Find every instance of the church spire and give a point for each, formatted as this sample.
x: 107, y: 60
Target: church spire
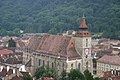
x: 83, y: 23
x: 83, y: 15
x: 83, y: 32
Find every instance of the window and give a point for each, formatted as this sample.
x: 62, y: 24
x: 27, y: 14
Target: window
x: 48, y: 64
x: 43, y: 63
x: 72, y: 65
x: 52, y: 65
x: 39, y: 62
x: 86, y: 42
x: 63, y: 65
x: 86, y: 65
x: 79, y: 66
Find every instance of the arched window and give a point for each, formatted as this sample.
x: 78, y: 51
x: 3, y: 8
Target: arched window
x: 48, y: 64
x: 79, y: 66
x: 86, y: 65
x: 43, y: 63
x: 86, y: 42
x: 72, y: 65
x: 63, y: 66
x: 52, y: 65
x: 39, y: 62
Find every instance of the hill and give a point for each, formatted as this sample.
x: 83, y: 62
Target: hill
x: 59, y: 15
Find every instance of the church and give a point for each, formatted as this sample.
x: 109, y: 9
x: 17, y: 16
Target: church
x: 60, y: 52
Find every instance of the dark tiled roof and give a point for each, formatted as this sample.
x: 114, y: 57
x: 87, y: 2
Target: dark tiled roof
x: 13, y: 61
x: 3, y: 73
x: 17, y: 78
x: 115, y: 60
x: 20, y: 44
x: 10, y: 72
x: 55, y: 44
x: 28, y: 64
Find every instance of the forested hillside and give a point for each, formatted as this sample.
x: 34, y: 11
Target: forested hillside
x: 56, y: 16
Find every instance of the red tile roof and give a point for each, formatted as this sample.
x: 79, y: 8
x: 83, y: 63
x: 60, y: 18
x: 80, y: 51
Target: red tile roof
x: 83, y: 23
x: 115, y: 60
x: 114, y: 75
x: 55, y: 44
x: 6, y: 51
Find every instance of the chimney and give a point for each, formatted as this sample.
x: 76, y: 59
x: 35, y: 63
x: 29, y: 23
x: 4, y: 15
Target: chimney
x: 14, y: 71
x: 112, y: 72
x: 8, y: 67
x: 115, y: 72
x: 118, y: 73
x: 1, y: 68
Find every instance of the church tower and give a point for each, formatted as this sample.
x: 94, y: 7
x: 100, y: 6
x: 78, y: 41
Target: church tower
x: 83, y: 45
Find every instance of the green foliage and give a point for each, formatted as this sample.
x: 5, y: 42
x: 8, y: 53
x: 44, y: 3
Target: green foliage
x: 11, y: 43
x: 97, y: 78
x: 56, y: 16
x: 75, y: 75
x: 27, y: 77
x: 88, y: 75
x: 45, y: 72
x: 63, y: 75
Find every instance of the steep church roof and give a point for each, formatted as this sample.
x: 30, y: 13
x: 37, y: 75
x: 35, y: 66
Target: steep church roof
x: 55, y: 44
x: 83, y: 31
x: 83, y: 23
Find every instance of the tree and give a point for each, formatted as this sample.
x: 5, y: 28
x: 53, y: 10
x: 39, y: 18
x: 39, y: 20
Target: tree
x: 75, y: 74
x: 45, y: 72
x: 27, y: 77
x: 16, y: 31
x: 52, y: 31
x: 88, y: 75
x: 97, y: 78
x: 63, y: 75
x: 11, y: 43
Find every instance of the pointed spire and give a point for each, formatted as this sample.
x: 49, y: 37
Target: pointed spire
x: 83, y: 23
x: 83, y: 15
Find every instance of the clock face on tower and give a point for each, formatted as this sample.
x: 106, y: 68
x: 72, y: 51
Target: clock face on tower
x: 86, y: 51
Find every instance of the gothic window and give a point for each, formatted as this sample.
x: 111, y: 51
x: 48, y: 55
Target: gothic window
x: 86, y: 56
x: 58, y: 66
x: 52, y: 65
x: 63, y: 65
x: 48, y: 64
x: 43, y: 63
x: 72, y: 65
x: 86, y: 42
x: 39, y: 62
x: 79, y: 66
x: 86, y: 65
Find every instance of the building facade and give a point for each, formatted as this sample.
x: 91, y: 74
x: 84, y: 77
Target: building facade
x: 60, y: 52
x: 107, y: 63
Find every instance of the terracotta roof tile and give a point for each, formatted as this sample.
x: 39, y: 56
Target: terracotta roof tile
x: 55, y: 44
x: 115, y: 60
x: 83, y: 23
x: 6, y: 51
x: 20, y: 44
